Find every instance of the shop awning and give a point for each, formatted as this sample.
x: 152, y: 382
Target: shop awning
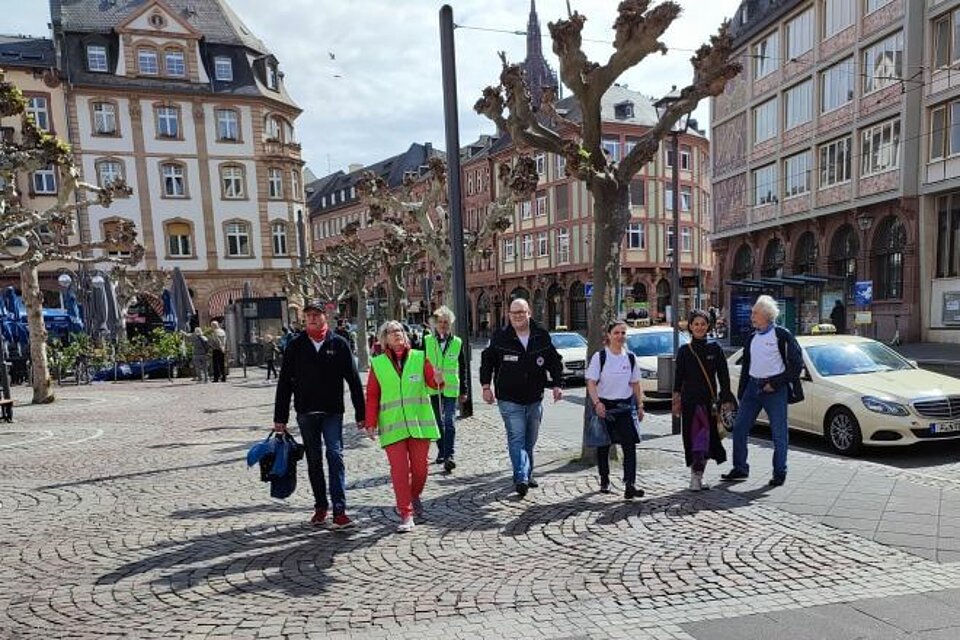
x: 779, y: 281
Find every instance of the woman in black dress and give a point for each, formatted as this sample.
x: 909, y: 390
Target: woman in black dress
x: 701, y: 376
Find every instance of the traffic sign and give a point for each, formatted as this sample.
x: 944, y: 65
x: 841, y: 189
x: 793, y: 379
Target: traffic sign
x: 588, y: 289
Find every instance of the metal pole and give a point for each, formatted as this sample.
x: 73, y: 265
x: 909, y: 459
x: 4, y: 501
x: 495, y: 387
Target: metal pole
x: 675, y: 267
x: 452, y: 129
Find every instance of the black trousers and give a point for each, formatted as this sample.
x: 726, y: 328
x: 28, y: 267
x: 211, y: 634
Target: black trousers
x: 271, y: 367
x: 219, y: 366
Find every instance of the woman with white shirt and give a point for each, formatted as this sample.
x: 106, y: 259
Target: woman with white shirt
x: 613, y: 386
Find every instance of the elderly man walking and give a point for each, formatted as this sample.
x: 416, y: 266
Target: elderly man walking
x: 218, y: 351
x: 445, y: 354
x: 769, y: 380
x: 518, y: 360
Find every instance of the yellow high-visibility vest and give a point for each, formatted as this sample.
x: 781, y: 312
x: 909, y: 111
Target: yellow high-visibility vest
x: 405, y: 410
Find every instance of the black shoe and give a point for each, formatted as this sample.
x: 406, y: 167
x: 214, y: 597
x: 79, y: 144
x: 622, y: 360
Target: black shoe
x: 533, y: 484
x: 439, y: 460
x: 735, y: 475
x: 632, y: 492
x: 777, y: 481
x: 522, y: 489
x: 604, y: 485
x: 449, y: 465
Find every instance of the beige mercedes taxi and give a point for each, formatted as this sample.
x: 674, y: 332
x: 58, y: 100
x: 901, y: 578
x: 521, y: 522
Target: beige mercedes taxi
x: 859, y: 392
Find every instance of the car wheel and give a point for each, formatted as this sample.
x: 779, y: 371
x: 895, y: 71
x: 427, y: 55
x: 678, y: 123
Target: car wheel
x: 843, y: 432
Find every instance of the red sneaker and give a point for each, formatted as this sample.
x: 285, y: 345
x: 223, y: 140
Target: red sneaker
x: 342, y: 521
x: 319, y: 517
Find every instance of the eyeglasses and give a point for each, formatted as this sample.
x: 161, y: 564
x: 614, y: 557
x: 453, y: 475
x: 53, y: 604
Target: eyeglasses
x: 517, y: 313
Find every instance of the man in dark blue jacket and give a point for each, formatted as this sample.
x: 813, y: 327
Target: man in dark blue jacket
x: 517, y: 361
x: 769, y: 380
x: 315, y: 365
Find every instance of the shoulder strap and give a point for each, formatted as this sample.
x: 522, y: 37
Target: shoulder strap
x: 633, y: 360
x: 630, y: 356
x: 603, y: 359
x: 705, y: 375
x: 781, y: 344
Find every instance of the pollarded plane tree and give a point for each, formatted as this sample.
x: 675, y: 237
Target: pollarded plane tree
x: 132, y: 284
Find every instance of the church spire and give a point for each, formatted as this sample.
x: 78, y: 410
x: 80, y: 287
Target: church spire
x: 537, y: 72
x: 534, y: 40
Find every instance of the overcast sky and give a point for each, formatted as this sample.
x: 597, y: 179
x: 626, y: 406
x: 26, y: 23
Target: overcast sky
x: 382, y: 90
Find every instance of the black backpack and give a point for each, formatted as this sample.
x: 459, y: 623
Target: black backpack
x: 603, y: 360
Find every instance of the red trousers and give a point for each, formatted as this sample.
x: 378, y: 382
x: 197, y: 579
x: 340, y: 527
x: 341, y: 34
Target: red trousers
x: 408, y: 471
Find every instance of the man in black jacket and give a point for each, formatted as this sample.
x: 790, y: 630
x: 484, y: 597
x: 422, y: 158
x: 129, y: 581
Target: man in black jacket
x: 315, y: 365
x: 769, y: 380
x: 518, y: 360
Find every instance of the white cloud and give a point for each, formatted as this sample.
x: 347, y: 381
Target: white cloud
x: 388, y: 93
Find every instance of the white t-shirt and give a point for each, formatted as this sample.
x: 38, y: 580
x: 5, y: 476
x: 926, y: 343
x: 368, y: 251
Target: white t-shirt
x: 765, y: 360
x: 524, y: 340
x: 614, y: 382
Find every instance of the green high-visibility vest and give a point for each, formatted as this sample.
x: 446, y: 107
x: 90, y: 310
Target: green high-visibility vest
x: 405, y: 410
x: 446, y: 365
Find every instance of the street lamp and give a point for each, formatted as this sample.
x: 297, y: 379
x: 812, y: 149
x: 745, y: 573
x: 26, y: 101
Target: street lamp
x: 16, y: 247
x: 864, y: 222
x: 663, y: 106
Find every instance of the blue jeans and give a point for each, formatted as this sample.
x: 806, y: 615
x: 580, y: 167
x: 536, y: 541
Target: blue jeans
x: 775, y: 404
x: 445, y: 412
x: 319, y: 430
x: 523, y: 426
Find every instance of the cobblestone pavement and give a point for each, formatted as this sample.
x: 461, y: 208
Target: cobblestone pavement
x: 126, y: 510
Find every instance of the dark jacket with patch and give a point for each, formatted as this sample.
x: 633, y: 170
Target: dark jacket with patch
x: 315, y: 378
x: 520, y: 375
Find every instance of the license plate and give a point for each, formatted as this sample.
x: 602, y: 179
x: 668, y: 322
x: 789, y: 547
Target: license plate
x: 944, y: 427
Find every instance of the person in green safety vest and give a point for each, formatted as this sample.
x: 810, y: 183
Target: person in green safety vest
x: 398, y: 407
x: 445, y: 353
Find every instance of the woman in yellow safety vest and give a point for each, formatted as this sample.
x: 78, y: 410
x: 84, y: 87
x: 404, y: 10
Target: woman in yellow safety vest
x: 398, y: 407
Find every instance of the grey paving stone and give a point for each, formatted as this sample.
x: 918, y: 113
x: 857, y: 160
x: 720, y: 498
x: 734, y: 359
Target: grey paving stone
x: 911, y: 613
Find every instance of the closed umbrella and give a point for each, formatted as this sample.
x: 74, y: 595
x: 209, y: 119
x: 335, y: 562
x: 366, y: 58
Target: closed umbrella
x: 169, y: 313
x: 97, y: 311
x: 73, y: 310
x: 181, y: 300
x: 114, y: 321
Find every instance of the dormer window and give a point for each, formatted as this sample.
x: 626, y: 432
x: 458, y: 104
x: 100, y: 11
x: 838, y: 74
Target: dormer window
x: 147, y: 62
x: 174, y: 63
x: 97, y: 58
x: 623, y: 111
x: 272, y: 76
x: 223, y: 69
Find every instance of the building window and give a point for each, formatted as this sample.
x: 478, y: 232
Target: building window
x: 178, y: 240
x: 527, y: 245
x: 611, y: 147
x: 228, y: 125
x: 108, y: 172
x: 798, y: 104
x: 948, y: 236
x: 541, y: 205
x: 232, y: 177
x: 147, y: 62
x: 685, y: 159
x: 174, y: 63
x: 805, y: 258
x: 799, y: 34
x: 561, y: 166
x: 45, y: 181
x: 873, y: 5
x: 526, y: 210
x: 889, y: 243
x: 835, y: 162
x: 686, y: 242
x: 168, y: 122
x: 837, y: 16
x: 542, y: 244
x: 174, y: 181
x: 509, y: 249
x: 561, y: 202
x: 765, y: 185
x: 796, y: 171
x: 541, y: 160
x: 223, y: 69
x: 272, y: 76
x: 238, y: 239
x: 668, y: 199
x: 945, y: 130
x: 39, y: 110
x: 275, y: 183
x: 686, y: 198
x: 563, y: 245
x: 843, y: 257
x: 743, y: 263
x: 637, y: 236
x: 670, y: 239
x: 836, y: 85
x: 279, y: 233
x: 295, y: 181
x: 104, y: 118
x: 766, y: 56
x: 765, y: 121
x: 637, y: 193
x: 97, y: 58
x: 880, y: 148
x: 883, y: 63
x: 946, y: 39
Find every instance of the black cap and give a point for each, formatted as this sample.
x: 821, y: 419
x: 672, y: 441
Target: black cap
x: 314, y: 305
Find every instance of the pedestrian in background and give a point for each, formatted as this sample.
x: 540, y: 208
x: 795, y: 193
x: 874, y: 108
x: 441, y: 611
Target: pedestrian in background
x: 838, y: 316
x: 270, y: 351
x: 218, y: 351
x: 700, y: 378
x: 613, y: 386
x: 769, y: 380
x: 315, y: 366
x: 445, y: 354
x: 398, y: 407
x: 520, y: 362
x: 201, y: 349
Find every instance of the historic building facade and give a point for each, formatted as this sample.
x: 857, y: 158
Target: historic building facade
x: 178, y: 98
x: 814, y: 154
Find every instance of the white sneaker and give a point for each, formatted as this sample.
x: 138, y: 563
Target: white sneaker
x: 406, y: 526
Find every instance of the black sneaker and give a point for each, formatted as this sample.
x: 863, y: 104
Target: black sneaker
x: 777, y: 481
x: 449, y: 465
x: 522, y: 489
x: 735, y: 475
x: 533, y: 484
x: 604, y: 485
x: 632, y: 492
x: 439, y: 460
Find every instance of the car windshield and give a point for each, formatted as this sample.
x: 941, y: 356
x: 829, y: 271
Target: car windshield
x: 858, y: 357
x: 654, y: 343
x: 567, y: 340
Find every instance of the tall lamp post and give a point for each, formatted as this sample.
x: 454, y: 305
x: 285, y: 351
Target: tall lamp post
x: 662, y: 106
x: 864, y: 222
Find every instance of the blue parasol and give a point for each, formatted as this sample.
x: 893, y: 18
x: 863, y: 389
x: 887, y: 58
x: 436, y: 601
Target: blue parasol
x: 169, y: 313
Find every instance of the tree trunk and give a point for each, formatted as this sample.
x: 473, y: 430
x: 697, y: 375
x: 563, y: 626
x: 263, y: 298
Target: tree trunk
x: 395, y: 294
x: 363, y: 354
x: 611, y: 217
x: 39, y: 368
